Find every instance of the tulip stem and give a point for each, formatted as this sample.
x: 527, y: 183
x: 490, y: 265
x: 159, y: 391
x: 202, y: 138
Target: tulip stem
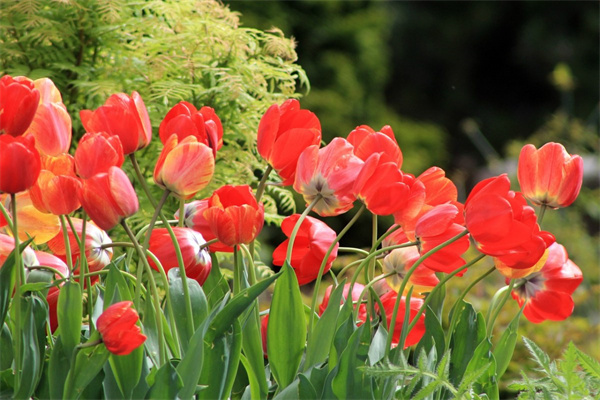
x: 454, y: 318
x: 288, y: 256
x: 7, y: 217
x: 403, y: 286
x: 181, y: 213
x: 353, y: 250
x: 20, y: 278
x: 260, y: 189
x: 141, y: 179
x: 313, y: 303
x: 251, y: 266
x: 154, y: 291
x: 541, y: 215
x: 498, y: 308
x: 68, y: 256
x: 370, y: 270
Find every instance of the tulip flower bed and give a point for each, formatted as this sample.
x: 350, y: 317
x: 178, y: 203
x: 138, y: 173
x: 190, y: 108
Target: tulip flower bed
x: 163, y: 320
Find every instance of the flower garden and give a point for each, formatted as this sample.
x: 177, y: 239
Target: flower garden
x: 132, y: 262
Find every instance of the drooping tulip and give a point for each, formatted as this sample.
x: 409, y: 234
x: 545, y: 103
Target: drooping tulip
x: 503, y: 225
x: 184, y: 167
x: 547, y: 292
x: 194, y: 218
x: 96, y: 153
x: 329, y: 172
x: 18, y: 102
x: 108, y: 198
x: 550, y: 176
x: 283, y: 133
x: 119, y: 330
x: 20, y: 163
x: 185, y: 120
x: 196, y: 260
x: 310, y: 246
x: 123, y: 116
x: 234, y: 215
x: 51, y: 125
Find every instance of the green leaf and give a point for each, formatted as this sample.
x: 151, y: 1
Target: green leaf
x: 69, y: 312
x: 116, y: 286
x: 190, y: 366
x: 221, y: 360
x: 483, y: 360
x: 538, y: 354
x: 434, y: 334
x: 322, y: 335
x: 57, y: 373
x: 349, y: 382
x: 253, y: 350
x: 6, y: 348
x: 590, y: 366
x: 7, y: 280
x: 88, y: 363
x: 378, y: 344
x: 127, y: 370
x: 236, y: 306
x: 215, y: 287
x: 345, y: 329
x: 286, y: 332
x: 468, y: 333
x: 199, y: 306
x: 506, y: 346
x: 167, y: 383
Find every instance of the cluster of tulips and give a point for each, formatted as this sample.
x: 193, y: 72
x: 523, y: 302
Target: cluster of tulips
x: 44, y: 188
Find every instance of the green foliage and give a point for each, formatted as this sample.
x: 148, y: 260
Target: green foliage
x: 168, y: 51
x: 575, y: 376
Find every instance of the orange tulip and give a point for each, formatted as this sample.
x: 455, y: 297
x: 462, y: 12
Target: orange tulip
x: 51, y: 125
x: 56, y: 194
x: 108, y: 197
x: 330, y: 172
x: 283, y: 133
x: 184, y: 168
x: 18, y: 102
x: 20, y: 163
x: 550, y: 176
x: 123, y: 116
x: 234, y: 216
x: 96, y: 153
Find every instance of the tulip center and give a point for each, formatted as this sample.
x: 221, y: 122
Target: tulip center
x: 529, y: 286
x: 319, y: 186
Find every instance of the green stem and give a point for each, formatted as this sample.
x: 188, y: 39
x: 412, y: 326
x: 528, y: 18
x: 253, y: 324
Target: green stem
x: 20, y: 278
x: 251, y: 266
x: 353, y: 250
x: 405, y: 281
x: 140, y: 177
x: 370, y: 271
x: 237, y: 270
x: 541, y: 215
x: 263, y: 183
x: 490, y: 326
x: 153, y: 290
x: 288, y: 256
x: 181, y: 213
x: 313, y: 303
x: 7, y: 217
x: 63, y: 227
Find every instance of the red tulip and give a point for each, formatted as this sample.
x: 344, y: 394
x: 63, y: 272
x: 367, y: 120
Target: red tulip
x: 51, y: 125
x: 122, y: 116
x: 118, y: 327
x: 234, y: 216
x: 437, y: 190
x: 384, y: 188
x: 194, y: 218
x: 438, y: 225
x: 196, y: 261
x: 18, y: 102
x: 503, y: 225
x: 354, y: 297
x: 547, y: 293
x: 108, y: 197
x: 96, y: 153
x: 20, y: 163
x: 312, y: 242
x: 184, y: 120
x: 389, y: 300
x: 96, y: 255
x: 57, y: 189
x: 283, y: 133
x: 550, y: 176
x: 401, y: 260
x: 184, y: 168
x: 264, y: 323
x: 367, y: 142
x: 330, y: 172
